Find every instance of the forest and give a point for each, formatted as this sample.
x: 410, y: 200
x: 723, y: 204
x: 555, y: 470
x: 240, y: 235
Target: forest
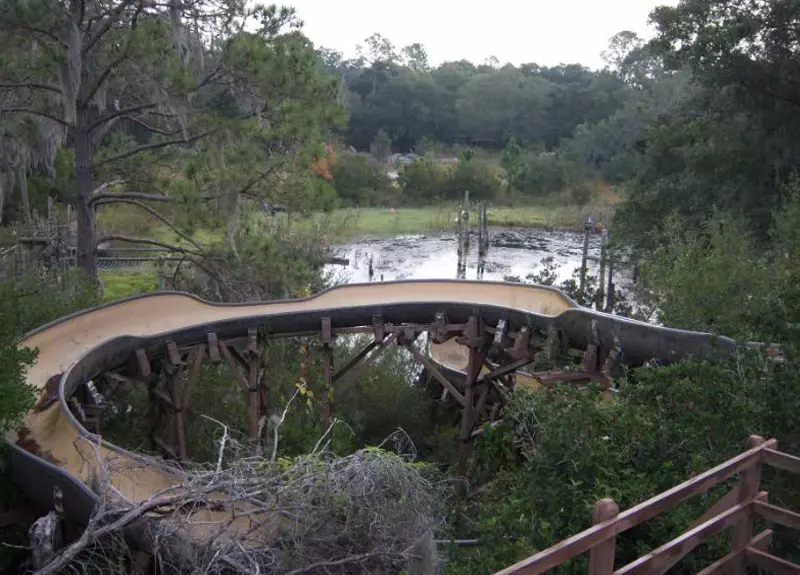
x: 184, y: 125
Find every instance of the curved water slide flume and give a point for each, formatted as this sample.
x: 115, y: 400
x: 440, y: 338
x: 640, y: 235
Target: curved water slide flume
x: 54, y: 450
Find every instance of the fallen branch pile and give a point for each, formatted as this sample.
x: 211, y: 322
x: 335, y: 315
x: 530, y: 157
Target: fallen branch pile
x: 372, y: 511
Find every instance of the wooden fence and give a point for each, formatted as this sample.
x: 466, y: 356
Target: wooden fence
x: 737, y: 510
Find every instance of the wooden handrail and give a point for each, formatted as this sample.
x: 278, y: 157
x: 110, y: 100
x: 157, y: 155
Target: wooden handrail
x: 580, y: 543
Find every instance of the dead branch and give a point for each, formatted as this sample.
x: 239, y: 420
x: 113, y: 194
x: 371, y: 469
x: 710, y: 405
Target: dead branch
x: 147, y: 241
x: 33, y: 112
x: 152, y: 146
x: 121, y: 199
x: 31, y: 86
x: 317, y: 514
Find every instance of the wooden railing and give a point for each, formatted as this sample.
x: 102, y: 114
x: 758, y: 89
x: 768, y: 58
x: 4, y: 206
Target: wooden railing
x: 737, y: 510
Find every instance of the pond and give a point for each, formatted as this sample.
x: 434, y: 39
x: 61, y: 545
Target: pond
x: 512, y: 252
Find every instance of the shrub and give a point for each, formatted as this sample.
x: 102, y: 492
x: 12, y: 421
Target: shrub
x: 424, y: 181
x: 666, y: 425
x: 478, y: 177
x: 360, y: 180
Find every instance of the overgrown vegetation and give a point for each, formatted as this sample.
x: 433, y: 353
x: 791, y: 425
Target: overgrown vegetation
x: 222, y: 126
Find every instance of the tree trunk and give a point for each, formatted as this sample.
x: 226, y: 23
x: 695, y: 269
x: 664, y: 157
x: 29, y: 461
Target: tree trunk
x: 84, y: 184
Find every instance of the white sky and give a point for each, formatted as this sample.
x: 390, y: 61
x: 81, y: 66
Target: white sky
x: 547, y: 32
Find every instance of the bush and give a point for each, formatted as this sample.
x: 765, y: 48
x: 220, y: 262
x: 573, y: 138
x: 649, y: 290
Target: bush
x: 360, y: 180
x: 665, y: 426
x: 424, y: 181
x: 478, y: 177
x: 544, y: 174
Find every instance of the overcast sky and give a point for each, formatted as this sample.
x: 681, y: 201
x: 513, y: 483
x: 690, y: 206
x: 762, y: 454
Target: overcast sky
x: 547, y: 32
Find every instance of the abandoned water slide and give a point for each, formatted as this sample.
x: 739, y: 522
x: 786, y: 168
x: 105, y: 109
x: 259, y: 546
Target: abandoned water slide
x: 54, y: 452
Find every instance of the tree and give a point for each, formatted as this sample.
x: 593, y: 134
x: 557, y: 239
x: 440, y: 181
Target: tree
x: 172, y: 73
x: 415, y: 57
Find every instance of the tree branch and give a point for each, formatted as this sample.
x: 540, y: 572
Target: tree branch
x: 102, y: 197
x: 30, y: 85
x: 152, y: 146
x: 34, y: 113
x: 150, y: 128
x: 147, y: 241
x: 105, y: 25
x: 154, y: 213
x: 120, y: 112
x: 116, y: 61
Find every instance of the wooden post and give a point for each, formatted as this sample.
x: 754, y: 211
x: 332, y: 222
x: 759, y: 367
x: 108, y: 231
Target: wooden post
x: 742, y: 531
x: 601, y: 556
x: 610, y: 288
x: 174, y: 373
x: 584, y: 259
x: 472, y: 338
x: 253, y: 387
x: 601, y: 284
x: 327, y: 371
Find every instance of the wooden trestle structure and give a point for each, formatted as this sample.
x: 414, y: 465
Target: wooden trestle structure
x: 170, y: 373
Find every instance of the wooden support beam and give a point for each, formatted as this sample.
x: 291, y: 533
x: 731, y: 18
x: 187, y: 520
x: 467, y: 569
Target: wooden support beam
x: 327, y: 371
x: 143, y: 363
x: 782, y: 460
x: 770, y: 563
x: 174, y: 372
x: 194, y: 374
x: 434, y: 371
x: 748, y: 490
x: 213, y: 347
x: 779, y: 515
x: 762, y: 541
x: 356, y: 359
x: 479, y: 347
x: 164, y: 446
x: 521, y: 347
x: 506, y: 369
x: 351, y: 376
x: 234, y: 366
x: 601, y: 556
x: 254, y: 388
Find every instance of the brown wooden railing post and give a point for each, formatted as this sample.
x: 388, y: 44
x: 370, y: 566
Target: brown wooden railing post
x: 742, y: 531
x: 601, y: 556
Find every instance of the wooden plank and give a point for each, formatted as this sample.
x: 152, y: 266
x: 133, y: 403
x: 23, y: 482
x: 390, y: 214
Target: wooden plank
x: 506, y: 369
x: 728, y: 500
x: 778, y: 515
x: 232, y: 363
x: 660, y: 560
x: 142, y: 363
x: 254, y: 365
x: 350, y: 377
x: 173, y: 354
x: 327, y: 383
x: 213, y: 347
x: 762, y: 541
x: 582, y: 542
x: 782, y: 460
x: 770, y: 563
x: 356, y: 359
x: 601, y: 557
x: 194, y: 374
x: 748, y: 489
x: 476, y: 358
x: 432, y: 369
x: 160, y: 394
x: 164, y: 446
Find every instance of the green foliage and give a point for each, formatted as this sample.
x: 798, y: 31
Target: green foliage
x: 666, y: 425
x: 424, y: 181
x: 27, y: 302
x: 543, y: 174
x: 360, y: 180
x: 478, y: 177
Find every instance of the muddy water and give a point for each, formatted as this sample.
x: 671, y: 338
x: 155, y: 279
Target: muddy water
x: 512, y: 252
